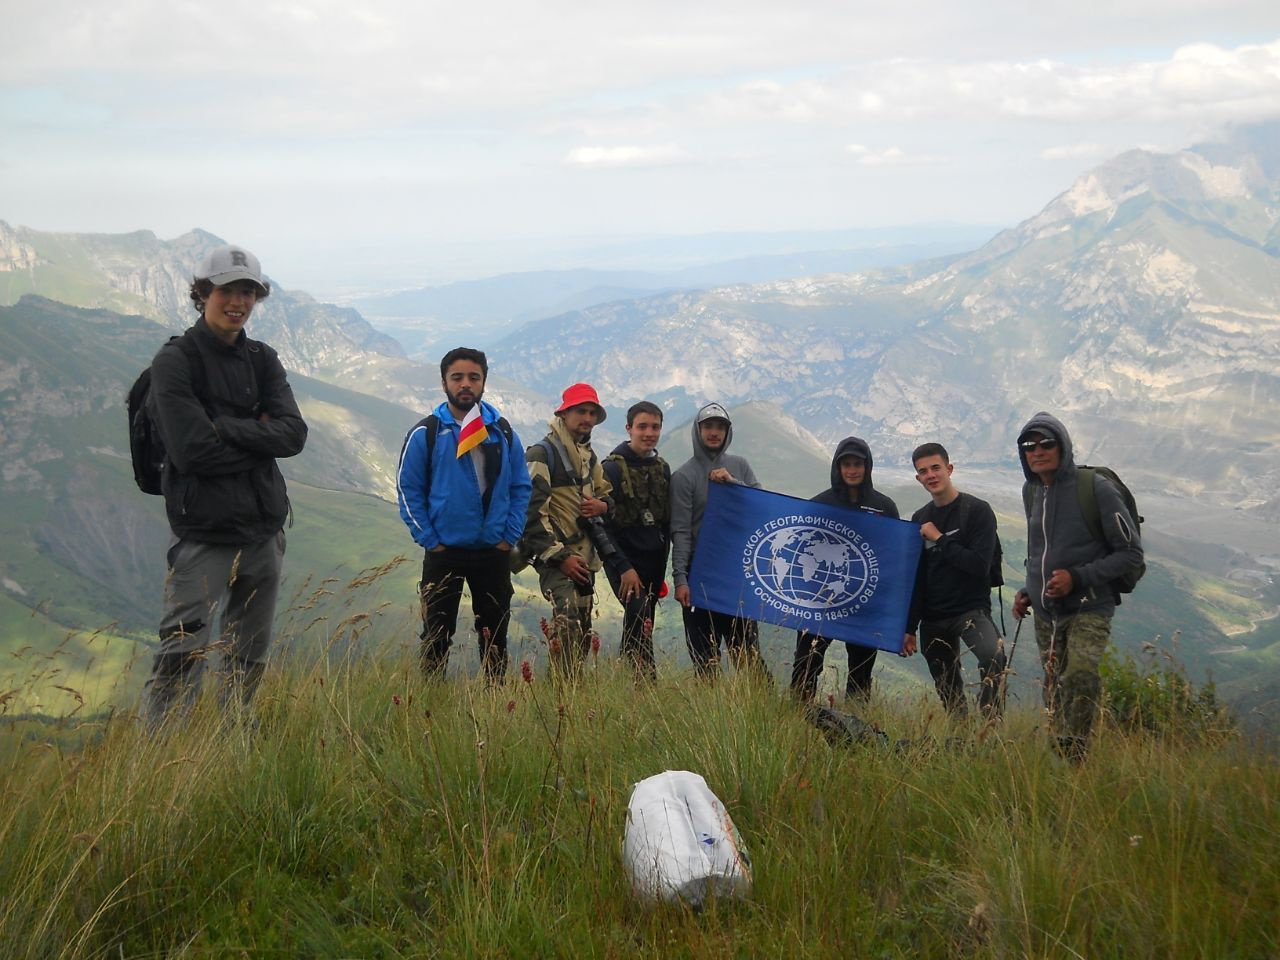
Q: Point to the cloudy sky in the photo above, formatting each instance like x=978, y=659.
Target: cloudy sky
x=386, y=142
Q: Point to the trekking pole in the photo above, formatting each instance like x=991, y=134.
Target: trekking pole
x=1008, y=664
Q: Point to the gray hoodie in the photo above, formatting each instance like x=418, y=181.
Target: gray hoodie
x=689, y=491
x=1058, y=537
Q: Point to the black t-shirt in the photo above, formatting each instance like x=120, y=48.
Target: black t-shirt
x=954, y=575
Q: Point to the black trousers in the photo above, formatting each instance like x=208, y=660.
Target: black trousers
x=637, y=638
x=705, y=629
x=940, y=642
x=487, y=573
x=810, y=652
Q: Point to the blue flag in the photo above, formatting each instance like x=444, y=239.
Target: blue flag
x=840, y=573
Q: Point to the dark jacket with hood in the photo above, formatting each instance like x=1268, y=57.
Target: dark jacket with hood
x=870, y=500
x=1058, y=536
x=689, y=496
x=646, y=545
x=221, y=483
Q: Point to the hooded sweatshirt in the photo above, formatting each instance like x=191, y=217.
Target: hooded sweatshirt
x=689, y=491
x=870, y=500
x=1058, y=536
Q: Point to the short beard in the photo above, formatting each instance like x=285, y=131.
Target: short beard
x=461, y=405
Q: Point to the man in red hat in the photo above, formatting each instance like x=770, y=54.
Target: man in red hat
x=564, y=535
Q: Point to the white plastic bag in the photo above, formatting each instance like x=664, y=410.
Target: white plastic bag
x=680, y=842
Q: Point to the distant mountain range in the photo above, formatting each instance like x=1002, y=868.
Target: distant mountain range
x=429, y=320
x=1143, y=305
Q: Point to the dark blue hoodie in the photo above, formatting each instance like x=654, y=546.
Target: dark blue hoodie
x=870, y=500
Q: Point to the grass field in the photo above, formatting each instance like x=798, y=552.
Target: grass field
x=364, y=813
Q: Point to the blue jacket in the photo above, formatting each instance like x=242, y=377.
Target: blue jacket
x=453, y=512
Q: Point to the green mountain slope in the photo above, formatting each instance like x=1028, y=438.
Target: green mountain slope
x=84, y=548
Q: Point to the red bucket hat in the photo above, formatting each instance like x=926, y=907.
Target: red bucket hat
x=581, y=393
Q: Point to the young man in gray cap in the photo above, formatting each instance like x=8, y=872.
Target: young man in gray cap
x=223, y=407
x=705, y=629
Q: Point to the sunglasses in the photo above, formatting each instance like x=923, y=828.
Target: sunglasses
x=1044, y=443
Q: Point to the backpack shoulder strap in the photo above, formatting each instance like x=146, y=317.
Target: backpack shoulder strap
x=550, y=444
x=549, y=455
x=507, y=432
x=432, y=423
x=1087, y=497
x=186, y=344
x=258, y=363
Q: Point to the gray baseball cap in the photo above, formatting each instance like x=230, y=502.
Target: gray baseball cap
x=228, y=263
x=713, y=411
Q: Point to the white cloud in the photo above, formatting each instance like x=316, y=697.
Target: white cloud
x=1074, y=151
x=1211, y=82
x=337, y=66
x=888, y=157
x=630, y=156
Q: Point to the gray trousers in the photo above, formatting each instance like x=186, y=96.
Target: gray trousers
x=940, y=642
x=235, y=584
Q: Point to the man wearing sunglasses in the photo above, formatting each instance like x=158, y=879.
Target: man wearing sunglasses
x=1069, y=576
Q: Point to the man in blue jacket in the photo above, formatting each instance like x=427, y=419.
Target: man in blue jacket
x=464, y=502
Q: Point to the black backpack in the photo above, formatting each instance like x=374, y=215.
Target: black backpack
x=146, y=448
x=1087, y=497
x=995, y=574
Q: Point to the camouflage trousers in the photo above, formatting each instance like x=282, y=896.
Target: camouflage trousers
x=1071, y=650
x=571, y=603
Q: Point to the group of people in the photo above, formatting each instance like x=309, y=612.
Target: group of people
x=482, y=506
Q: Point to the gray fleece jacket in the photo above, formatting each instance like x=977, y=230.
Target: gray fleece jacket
x=689, y=497
x=1058, y=537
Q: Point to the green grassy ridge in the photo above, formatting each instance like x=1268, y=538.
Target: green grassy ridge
x=371, y=815
x=81, y=541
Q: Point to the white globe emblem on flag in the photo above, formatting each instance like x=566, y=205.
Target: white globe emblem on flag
x=828, y=567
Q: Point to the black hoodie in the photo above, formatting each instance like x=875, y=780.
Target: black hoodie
x=870, y=500
x=645, y=546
